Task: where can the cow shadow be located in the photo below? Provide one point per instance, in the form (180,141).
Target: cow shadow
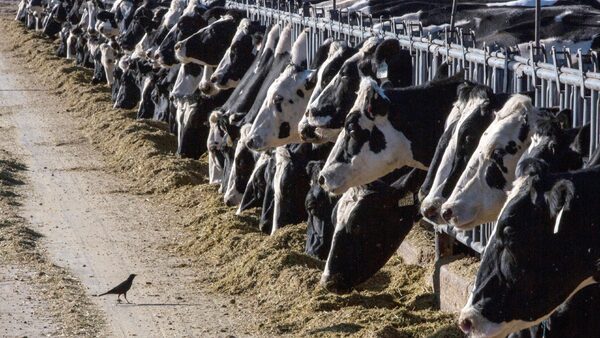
(378,301)
(341,329)
(448,331)
(379,282)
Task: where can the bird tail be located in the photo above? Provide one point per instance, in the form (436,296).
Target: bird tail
(106,293)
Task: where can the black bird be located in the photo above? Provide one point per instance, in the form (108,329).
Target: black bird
(121,289)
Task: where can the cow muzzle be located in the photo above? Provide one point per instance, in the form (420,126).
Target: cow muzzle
(473,324)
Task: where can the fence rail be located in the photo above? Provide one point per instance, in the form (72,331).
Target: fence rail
(559,78)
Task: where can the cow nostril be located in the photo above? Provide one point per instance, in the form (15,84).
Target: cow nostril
(213,79)
(447,214)
(306,113)
(430,212)
(466,325)
(178,46)
(321,180)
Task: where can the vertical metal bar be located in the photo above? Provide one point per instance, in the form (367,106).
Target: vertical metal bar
(453,15)
(538,18)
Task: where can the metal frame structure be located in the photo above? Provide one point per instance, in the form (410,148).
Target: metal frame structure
(559,78)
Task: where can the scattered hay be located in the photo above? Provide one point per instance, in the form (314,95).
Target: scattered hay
(230,254)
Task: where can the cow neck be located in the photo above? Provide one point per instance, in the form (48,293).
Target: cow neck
(419,118)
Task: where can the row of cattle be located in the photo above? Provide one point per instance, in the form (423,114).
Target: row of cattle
(347,144)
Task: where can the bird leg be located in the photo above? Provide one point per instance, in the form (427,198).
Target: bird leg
(118,298)
(125,295)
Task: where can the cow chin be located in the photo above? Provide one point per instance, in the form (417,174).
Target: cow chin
(481,327)
(463,217)
(335,179)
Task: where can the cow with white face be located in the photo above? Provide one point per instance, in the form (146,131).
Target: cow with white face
(278,118)
(481,190)
(386,130)
(108,60)
(478,104)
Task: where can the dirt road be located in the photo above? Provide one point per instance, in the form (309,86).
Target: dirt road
(97,230)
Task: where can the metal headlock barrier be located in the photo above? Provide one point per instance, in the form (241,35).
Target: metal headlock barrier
(559,78)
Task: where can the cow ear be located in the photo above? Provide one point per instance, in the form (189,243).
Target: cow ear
(560,197)
(564,118)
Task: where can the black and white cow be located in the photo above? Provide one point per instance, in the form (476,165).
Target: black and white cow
(193,18)
(481,190)
(54,20)
(276,123)
(478,107)
(370,225)
(545,248)
(275,62)
(207,46)
(239,56)
(386,130)
(319,207)
(384,61)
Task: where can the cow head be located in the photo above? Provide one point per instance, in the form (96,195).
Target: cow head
(368,147)
(108,59)
(543,250)
(106,24)
(477,112)
(481,190)
(243,163)
(561,149)
(208,45)
(277,121)
(338,53)
(326,112)
(369,227)
(239,56)
(142,21)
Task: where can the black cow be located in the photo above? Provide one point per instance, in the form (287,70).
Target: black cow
(191,21)
(575,318)
(370,225)
(545,248)
(208,46)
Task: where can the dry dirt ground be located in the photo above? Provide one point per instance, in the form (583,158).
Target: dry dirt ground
(94,195)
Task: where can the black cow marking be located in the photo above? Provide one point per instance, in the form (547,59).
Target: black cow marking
(494,177)
(284,130)
(511,147)
(300,93)
(523,132)
(498,158)
(291,101)
(377,140)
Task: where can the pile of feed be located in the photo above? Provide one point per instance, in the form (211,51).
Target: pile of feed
(230,254)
